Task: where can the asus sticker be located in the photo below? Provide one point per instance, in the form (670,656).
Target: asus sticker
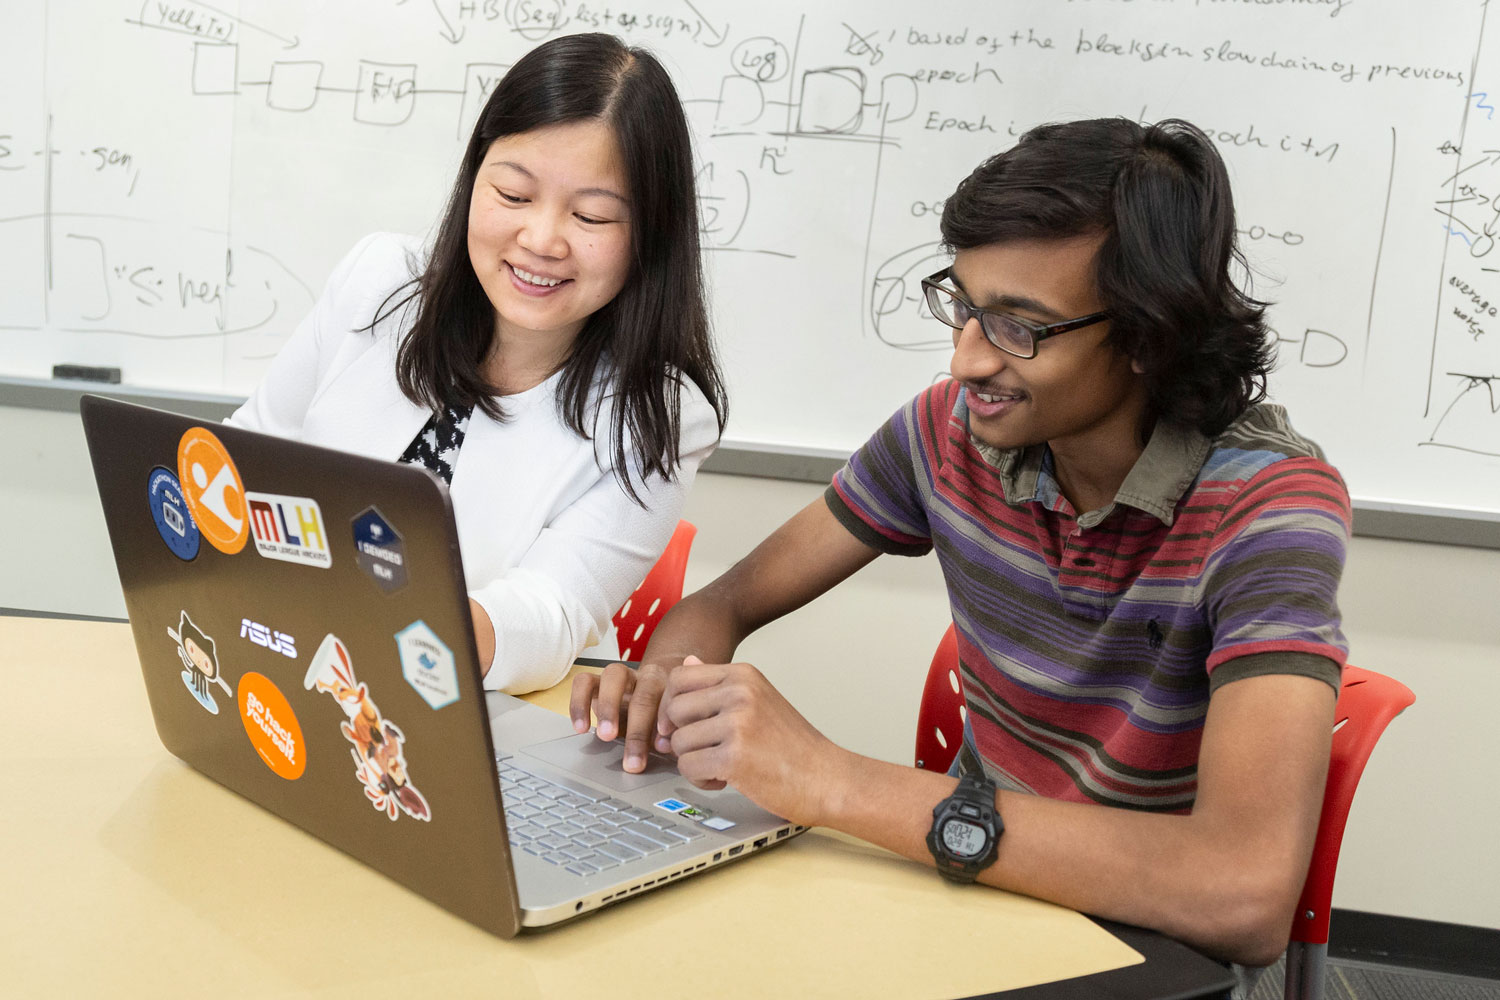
(276,642)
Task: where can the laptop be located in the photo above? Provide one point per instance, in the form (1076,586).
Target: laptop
(302,624)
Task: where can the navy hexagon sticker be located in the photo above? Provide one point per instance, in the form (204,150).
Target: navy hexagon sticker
(379,550)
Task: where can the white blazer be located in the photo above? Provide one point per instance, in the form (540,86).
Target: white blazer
(552,545)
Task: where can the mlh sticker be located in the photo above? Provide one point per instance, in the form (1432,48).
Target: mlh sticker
(289,529)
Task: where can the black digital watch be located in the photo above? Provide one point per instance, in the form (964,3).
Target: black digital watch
(966,830)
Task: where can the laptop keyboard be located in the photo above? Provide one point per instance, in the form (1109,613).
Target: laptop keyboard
(581,829)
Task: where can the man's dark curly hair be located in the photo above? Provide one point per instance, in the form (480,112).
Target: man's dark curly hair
(1160,195)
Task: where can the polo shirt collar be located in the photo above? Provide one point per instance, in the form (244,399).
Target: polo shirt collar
(1172,460)
(1160,477)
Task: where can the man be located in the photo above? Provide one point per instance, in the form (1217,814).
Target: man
(1141,559)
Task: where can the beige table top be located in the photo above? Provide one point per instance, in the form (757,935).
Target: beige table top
(126,873)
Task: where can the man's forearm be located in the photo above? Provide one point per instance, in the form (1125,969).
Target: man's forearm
(699,625)
(1224,878)
(1169,873)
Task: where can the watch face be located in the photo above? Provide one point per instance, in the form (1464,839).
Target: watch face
(964,839)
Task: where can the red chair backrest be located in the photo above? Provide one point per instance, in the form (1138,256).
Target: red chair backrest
(662,588)
(1367,703)
(940,719)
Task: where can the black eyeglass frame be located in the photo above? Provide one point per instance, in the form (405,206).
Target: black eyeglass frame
(1039,331)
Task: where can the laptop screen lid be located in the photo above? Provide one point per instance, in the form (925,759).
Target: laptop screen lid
(301,619)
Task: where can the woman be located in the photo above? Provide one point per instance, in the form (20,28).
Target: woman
(548,356)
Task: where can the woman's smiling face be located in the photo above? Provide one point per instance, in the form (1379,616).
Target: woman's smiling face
(549,228)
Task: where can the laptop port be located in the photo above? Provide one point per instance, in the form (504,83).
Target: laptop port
(737,848)
(782,833)
(762,842)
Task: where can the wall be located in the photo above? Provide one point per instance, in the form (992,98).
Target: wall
(1421,836)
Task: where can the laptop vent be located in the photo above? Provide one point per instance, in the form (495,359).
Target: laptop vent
(718,856)
(646,885)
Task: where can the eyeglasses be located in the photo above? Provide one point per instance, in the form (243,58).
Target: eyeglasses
(1011,334)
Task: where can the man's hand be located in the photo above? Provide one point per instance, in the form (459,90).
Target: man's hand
(728,725)
(805,557)
(623,701)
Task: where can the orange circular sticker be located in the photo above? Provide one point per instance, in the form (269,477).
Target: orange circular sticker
(211,485)
(271,726)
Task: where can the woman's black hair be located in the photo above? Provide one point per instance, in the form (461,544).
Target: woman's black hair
(655,332)
(1160,196)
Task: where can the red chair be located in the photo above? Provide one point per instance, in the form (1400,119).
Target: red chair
(1367,703)
(662,588)
(940,719)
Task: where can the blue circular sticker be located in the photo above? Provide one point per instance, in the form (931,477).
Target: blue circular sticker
(170,512)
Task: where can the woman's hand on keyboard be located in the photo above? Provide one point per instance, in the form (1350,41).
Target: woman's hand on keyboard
(624,703)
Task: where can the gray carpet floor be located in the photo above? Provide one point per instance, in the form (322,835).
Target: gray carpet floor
(1364,981)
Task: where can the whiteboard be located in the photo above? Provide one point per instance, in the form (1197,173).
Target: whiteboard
(177,179)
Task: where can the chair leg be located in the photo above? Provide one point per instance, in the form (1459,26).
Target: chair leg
(1305,967)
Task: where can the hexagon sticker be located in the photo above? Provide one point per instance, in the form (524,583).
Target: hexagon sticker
(427,664)
(379,550)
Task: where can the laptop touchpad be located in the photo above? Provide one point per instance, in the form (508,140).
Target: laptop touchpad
(589,757)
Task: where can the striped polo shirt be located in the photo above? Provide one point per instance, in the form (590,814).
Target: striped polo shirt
(1089,644)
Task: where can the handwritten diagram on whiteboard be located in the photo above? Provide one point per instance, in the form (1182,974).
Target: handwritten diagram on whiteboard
(177,179)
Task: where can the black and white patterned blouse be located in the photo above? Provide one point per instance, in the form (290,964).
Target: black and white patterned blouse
(436,445)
